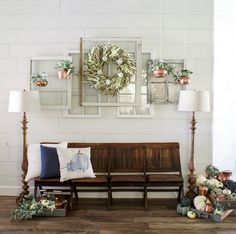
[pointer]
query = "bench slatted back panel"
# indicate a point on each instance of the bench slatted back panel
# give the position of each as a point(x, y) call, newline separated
point(99, 155)
point(133, 157)
point(127, 159)
point(163, 158)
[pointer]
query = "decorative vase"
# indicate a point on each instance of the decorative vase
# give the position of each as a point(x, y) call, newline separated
point(202, 191)
point(184, 80)
point(41, 83)
point(209, 207)
point(64, 74)
point(161, 73)
point(225, 175)
point(220, 198)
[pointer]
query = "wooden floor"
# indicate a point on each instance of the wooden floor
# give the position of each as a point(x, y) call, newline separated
point(126, 217)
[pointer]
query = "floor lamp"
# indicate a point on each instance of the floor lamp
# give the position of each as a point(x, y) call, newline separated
point(194, 101)
point(24, 101)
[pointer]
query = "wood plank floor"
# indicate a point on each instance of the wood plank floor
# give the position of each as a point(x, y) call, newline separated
point(126, 217)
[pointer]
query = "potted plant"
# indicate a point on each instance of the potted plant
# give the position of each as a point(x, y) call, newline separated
point(161, 69)
point(65, 69)
point(40, 79)
point(183, 76)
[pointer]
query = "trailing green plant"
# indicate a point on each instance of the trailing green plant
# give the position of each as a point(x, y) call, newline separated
point(30, 207)
point(39, 76)
point(161, 64)
point(66, 65)
point(182, 73)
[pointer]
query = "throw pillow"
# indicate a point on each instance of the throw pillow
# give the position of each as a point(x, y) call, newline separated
point(75, 163)
point(34, 159)
point(50, 162)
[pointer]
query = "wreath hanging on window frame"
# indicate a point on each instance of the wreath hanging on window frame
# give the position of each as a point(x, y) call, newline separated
point(106, 54)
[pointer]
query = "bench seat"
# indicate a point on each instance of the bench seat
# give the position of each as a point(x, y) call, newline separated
point(164, 179)
point(100, 179)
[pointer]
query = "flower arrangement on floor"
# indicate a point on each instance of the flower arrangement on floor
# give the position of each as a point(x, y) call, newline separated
point(215, 194)
point(31, 207)
point(102, 55)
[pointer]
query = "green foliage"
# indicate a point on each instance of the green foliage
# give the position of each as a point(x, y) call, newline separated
point(160, 64)
point(219, 209)
point(40, 76)
point(212, 171)
point(182, 73)
point(30, 207)
point(66, 65)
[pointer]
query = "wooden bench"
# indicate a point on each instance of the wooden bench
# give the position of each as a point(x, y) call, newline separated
point(143, 167)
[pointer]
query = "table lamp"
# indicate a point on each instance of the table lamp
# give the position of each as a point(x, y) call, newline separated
point(24, 101)
point(194, 101)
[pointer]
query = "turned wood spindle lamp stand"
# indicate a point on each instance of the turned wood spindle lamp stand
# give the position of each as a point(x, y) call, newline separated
point(193, 100)
point(24, 101)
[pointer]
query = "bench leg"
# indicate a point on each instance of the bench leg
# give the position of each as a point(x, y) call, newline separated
point(35, 190)
point(71, 198)
point(145, 198)
point(76, 194)
point(109, 202)
point(180, 193)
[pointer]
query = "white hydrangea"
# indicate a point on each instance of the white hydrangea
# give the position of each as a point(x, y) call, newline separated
point(119, 61)
point(99, 72)
point(200, 180)
point(33, 206)
point(104, 58)
point(108, 81)
point(45, 203)
point(120, 75)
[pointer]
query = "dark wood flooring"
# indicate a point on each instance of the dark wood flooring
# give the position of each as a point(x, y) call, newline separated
point(126, 217)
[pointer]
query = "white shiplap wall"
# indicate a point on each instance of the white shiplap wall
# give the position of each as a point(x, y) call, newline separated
point(224, 128)
point(35, 28)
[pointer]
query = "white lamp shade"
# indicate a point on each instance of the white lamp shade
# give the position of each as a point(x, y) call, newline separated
point(24, 101)
point(194, 100)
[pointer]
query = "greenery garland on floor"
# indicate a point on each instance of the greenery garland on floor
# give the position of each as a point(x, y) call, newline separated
point(101, 55)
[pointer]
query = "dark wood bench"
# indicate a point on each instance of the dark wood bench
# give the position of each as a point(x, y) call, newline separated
point(142, 167)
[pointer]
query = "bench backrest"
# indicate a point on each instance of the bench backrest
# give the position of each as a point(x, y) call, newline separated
point(133, 157)
point(163, 157)
point(99, 155)
point(127, 158)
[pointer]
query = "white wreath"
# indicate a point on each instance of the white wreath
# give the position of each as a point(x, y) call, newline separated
point(107, 54)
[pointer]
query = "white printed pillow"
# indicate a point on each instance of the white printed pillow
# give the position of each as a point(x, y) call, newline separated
point(34, 159)
point(75, 163)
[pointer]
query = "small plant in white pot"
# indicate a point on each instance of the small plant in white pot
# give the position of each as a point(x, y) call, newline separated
point(183, 76)
point(161, 69)
point(65, 69)
point(40, 79)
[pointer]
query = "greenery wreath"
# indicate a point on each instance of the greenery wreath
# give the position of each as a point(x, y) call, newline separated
point(107, 54)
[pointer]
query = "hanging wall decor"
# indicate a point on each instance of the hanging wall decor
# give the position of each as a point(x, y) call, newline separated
point(103, 55)
point(54, 94)
point(65, 69)
point(40, 79)
point(161, 68)
point(164, 90)
point(183, 76)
